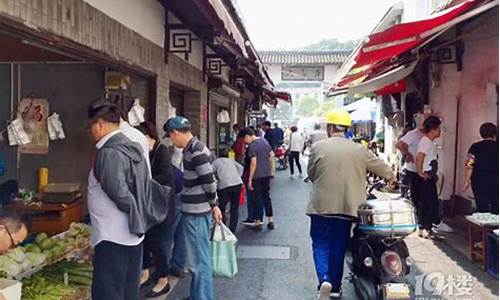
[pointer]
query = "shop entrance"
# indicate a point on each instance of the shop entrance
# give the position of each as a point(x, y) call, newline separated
point(176, 96)
point(62, 84)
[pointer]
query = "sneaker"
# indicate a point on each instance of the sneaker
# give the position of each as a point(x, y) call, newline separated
point(336, 293)
point(248, 222)
point(431, 235)
point(300, 175)
point(270, 226)
point(420, 233)
point(443, 227)
point(324, 291)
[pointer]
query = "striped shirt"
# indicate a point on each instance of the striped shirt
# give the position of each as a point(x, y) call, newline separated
point(199, 187)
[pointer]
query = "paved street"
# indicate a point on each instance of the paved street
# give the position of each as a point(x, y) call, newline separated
point(294, 278)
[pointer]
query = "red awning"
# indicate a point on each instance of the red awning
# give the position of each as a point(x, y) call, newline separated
point(397, 87)
point(285, 96)
point(376, 57)
point(405, 36)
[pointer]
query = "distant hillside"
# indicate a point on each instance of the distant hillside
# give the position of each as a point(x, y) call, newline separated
point(330, 44)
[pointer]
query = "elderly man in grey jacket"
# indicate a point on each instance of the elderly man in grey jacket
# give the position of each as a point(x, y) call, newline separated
point(337, 168)
point(122, 205)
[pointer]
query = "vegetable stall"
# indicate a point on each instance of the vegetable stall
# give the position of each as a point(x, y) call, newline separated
point(52, 267)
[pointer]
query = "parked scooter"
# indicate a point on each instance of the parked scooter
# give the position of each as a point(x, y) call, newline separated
point(380, 260)
point(281, 154)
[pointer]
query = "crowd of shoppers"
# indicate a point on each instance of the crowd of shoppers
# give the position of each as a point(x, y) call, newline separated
point(162, 200)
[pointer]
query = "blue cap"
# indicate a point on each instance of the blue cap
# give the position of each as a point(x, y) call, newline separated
point(175, 123)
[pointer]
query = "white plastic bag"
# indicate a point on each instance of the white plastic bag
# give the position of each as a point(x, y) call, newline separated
point(136, 114)
point(223, 117)
point(223, 242)
point(16, 132)
point(55, 128)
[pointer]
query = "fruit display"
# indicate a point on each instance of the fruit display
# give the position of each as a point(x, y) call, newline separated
point(21, 261)
point(52, 268)
point(77, 236)
point(17, 261)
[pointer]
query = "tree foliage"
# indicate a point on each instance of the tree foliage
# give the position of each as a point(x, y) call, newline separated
point(283, 111)
point(306, 106)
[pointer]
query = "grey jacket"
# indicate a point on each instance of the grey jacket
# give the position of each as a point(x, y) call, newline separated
point(337, 167)
point(123, 174)
point(227, 172)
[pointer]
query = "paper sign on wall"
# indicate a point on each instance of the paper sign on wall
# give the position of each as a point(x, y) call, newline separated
point(35, 112)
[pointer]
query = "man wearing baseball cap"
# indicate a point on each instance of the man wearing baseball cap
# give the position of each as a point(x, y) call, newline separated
point(199, 204)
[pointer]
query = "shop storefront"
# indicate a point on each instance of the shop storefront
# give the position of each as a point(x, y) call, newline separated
point(46, 93)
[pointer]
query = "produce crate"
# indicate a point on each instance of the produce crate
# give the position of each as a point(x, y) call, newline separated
point(10, 289)
point(492, 256)
point(49, 217)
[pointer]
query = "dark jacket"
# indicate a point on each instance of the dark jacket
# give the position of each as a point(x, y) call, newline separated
point(270, 136)
point(123, 174)
point(162, 172)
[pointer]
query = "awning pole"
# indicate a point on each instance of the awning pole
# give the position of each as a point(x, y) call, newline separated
point(455, 167)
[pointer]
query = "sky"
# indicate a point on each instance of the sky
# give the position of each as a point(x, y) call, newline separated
point(290, 24)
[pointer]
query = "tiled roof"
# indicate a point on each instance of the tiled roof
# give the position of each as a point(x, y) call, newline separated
point(304, 57)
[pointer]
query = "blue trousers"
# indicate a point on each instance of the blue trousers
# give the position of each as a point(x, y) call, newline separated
point(196, 235)
point(178, 259)
point(330, 238)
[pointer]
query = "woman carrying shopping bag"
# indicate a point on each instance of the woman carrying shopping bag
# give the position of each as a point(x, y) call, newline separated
point(228, 174)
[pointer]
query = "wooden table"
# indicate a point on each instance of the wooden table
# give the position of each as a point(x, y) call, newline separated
point(478, 233)
point(49, 217)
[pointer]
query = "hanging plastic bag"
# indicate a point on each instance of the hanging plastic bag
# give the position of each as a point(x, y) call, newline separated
point(17, 134)
point(223, 242)
point(223, 117)
point(55, 128)
point(136, 113)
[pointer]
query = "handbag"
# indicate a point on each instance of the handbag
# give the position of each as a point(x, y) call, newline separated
point(223, 242)
point(243, 195)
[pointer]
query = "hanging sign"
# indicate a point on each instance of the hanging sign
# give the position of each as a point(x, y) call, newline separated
point(35, 112)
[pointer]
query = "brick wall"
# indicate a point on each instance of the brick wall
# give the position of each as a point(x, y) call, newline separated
point(78, 21)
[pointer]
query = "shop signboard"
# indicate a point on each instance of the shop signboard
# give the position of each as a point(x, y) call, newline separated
point(302, 73)
point(35, 112)
point(203, 115)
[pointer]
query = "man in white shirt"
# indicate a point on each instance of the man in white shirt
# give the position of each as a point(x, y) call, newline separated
point(296, 145)
point(408, 145)
point(112, 205)
point(427, 167)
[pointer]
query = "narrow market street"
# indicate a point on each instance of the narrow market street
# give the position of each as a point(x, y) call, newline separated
point(131, 131)
point(278, 264)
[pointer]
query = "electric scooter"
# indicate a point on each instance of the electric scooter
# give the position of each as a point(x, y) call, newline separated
point(380, 261)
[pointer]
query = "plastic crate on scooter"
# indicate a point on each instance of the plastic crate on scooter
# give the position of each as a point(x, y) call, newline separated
point(492, 254)
point(387, 217)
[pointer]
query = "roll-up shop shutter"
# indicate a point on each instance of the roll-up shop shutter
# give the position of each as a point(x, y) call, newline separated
point(219, 100)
